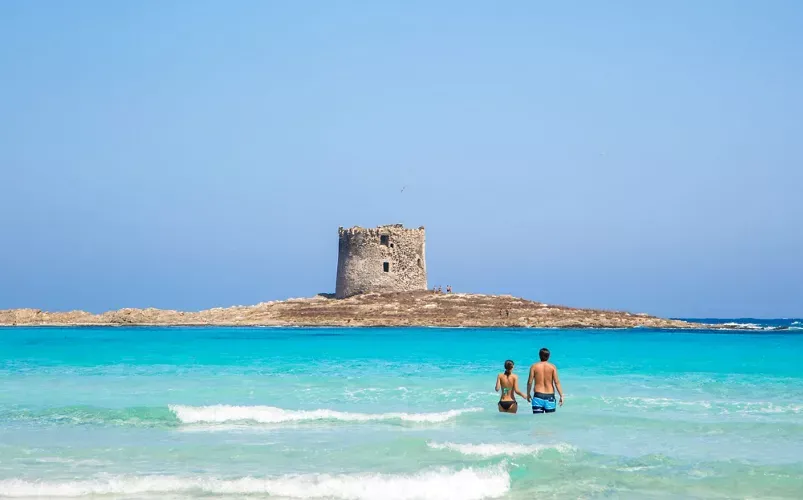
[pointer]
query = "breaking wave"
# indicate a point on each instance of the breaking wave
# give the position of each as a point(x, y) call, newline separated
point(469, 484)
point(795, 325)
point(178, 415)
point(743, 326)
point(504, 449)
point(274, 415)
point(720, 407)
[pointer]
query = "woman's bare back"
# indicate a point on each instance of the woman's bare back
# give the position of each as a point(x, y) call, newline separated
point(508, 385)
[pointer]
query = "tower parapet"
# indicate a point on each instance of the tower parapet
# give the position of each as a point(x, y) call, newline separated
point(387, 258)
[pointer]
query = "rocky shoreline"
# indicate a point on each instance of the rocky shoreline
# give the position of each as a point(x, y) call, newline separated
point(389, 309)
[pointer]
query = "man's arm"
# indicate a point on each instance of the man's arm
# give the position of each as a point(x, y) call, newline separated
point(530, 382)
point(556, 382)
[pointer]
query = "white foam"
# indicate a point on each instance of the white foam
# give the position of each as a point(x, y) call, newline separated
point(440, 484)
point(754, 326)
point(718, 406)
point(501, 449)
point(62, 460)
point(642, 402)
point(274, 415)
point(637, 468)
point(743, 326)
point(772, 408)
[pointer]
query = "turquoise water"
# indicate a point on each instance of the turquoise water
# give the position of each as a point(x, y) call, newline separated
point(396, 413)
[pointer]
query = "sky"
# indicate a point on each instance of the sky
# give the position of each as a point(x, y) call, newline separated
point(644, 156)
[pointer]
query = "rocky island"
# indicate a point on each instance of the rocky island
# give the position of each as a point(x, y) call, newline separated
point(381, 281)
point(417, 308)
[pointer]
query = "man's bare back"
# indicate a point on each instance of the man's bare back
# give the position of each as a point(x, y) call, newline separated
point(544, 379)
point(543, 375)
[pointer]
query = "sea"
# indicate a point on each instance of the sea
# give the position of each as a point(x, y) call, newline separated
point(399, 413)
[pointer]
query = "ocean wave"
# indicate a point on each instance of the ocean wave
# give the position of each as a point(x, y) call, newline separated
point(744, 326)
point(180, 415)
point(71, 461)
point(649, 403)
point(718, 406)
point(439, 484)
point(90, 415)
point(274, 415)
point(756, 326)
point(637, 468)
point(502, 449)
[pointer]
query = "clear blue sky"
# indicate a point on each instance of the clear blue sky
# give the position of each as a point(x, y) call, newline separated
point(645, 156)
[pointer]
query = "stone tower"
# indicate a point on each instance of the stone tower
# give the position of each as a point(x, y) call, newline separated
point(386, 259)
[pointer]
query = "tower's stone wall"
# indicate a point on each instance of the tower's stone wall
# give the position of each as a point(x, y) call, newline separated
point(384, 259)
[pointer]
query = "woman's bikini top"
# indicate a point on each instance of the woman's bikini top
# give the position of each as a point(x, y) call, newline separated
point(505, 390)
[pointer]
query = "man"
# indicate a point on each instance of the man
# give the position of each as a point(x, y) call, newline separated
point(545, 376)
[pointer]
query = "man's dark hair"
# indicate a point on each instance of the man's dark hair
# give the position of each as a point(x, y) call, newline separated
point(543, 354)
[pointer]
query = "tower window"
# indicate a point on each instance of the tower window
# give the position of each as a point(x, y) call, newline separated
point(384, 239)
point(419, 263)
point(386, 266)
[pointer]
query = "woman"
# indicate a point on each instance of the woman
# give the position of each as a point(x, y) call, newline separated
point(509, 384)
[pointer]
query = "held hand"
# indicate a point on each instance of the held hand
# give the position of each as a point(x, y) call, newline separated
point(561, 401)
point(529, 398)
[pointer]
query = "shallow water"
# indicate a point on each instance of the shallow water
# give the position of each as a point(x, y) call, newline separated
point(396, 413)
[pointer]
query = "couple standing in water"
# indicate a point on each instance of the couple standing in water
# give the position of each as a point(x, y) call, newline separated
point(543, 378)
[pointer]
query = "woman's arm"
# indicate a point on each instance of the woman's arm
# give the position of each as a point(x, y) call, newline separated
point(516, 386)
point(498, 384)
